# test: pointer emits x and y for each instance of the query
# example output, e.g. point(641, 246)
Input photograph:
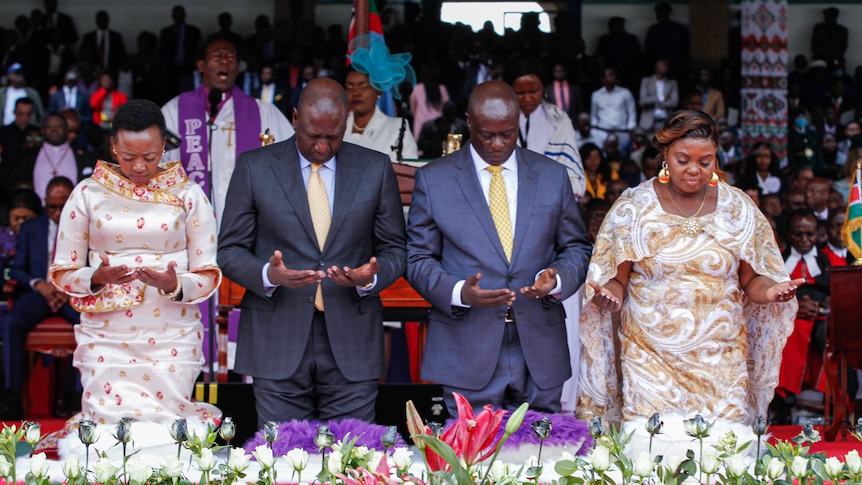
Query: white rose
point(104, 470)
point(372, 458)
point(402, 458)
point(709, 463)
point(138, 470)
point(799, 466)
point(600, 458)
point(32, 434)
point(72, 467)
point(5, 466)
point(38, 465)
point(643, 465)
point(263, 455)
point(775, 468)
point(834, 467)
point(359, 452)
point(854, 463)
point(672, 462)
point(498, 471)
point(333, 463)
point(735, 465)
point(238, 460)
point(205, 460)
point(297, 458)
point(172, 467)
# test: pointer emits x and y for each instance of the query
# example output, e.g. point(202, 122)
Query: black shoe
point(12, 410)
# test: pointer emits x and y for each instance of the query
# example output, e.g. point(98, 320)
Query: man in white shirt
point(16, 90)
point(612, 109)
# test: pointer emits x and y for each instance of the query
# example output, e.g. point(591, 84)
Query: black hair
point(138, 115)
point(521, 65)
point(27, 199)
point(24, 100)
point(60, 181)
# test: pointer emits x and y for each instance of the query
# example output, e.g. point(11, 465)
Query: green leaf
point(565, 468)
point(448, 454)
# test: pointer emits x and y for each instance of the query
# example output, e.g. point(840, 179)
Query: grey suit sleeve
point(238, 232)
point(389, 233)
point(425, 271)
point(573, 248)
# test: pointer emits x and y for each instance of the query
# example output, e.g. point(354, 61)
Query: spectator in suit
point(829, 38)
point(61, 23)
point(620, 50)
point(16, 90)
point(37, 166)
point(69, 97)
point(107, 45)
point(30, 269)
point(262, 41)
point(564, 94)
point(269, 90)
point(12, 135)
point(178, 45)
point(712, 101)
point(659, 97)
point(667, 40)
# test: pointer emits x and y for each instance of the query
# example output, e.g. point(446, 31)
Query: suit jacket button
point(510, 279)
point(311, 299)
point(502, 314)
point(321, 263)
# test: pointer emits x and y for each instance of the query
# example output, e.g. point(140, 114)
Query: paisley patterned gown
point(689, 340)
point(139, 352)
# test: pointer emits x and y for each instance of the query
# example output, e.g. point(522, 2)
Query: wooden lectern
point(843, 342)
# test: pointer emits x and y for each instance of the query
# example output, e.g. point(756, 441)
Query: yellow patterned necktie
point(321, 218)
point(499, 205)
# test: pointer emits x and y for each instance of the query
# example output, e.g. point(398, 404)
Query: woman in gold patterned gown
point(706, 304)
point(136, 251)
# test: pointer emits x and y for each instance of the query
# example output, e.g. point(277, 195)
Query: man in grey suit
point(310, 331)
point(504, 342)
point(659, 98)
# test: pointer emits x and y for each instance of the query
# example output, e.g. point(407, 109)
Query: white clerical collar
point(813, 269)
point(838, 251)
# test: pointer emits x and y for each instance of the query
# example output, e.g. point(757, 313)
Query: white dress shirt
point(813, 269)
point(613, 110)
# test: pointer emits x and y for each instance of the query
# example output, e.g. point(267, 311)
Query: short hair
point(202, 53)
point(521, 65)
point(799, 214)
point(27, 199)
point(24, 100)
point(60, 181)
point(138, 115)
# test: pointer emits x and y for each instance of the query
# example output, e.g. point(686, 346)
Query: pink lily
point(471, 434)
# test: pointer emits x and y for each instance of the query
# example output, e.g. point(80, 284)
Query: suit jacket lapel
point(348, 176)
point(472, 189)
point(526, 200)
point(287, 173)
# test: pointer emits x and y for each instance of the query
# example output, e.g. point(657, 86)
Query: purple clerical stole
point(193, 125)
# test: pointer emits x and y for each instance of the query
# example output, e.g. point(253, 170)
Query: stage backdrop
point(764, 74)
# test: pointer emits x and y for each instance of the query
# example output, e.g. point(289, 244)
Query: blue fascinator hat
point(386, 71)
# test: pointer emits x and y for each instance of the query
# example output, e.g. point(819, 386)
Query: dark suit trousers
point(318, 390)
point(511, 385)
point(28, 310)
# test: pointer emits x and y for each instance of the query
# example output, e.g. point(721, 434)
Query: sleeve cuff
point(456, 295)
point(268, 287)
point(558, 289)
point(367, 289)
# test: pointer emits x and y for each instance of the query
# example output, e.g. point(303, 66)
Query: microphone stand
point(399, 145)
point(211, 340)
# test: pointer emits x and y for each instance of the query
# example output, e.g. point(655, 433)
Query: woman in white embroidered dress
point(706, 304)
point(136, 251)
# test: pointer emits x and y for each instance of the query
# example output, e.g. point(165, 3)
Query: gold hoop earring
point(713, 181)
point(663, 174)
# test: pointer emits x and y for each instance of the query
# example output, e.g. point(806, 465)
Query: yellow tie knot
point(495, 169)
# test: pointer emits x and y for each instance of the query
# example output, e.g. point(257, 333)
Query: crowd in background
point(616, 97)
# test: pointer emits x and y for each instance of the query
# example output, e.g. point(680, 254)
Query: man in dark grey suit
point(310, 330)
point(504, 342)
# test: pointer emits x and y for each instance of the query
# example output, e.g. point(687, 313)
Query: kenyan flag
point(852, 233)
point(375, 27)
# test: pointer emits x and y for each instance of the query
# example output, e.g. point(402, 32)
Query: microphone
point(214, 99)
